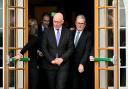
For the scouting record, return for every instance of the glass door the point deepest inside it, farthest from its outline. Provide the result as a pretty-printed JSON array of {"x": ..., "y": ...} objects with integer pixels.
[
  {"x": 123, "y": 27},
  {"x": 106, "y": 44},
  {"x": 15, "y": 37}
]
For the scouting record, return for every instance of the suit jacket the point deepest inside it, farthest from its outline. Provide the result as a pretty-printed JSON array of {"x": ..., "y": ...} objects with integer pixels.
[
  {"x": 82, "y": 50},
  {"x": 64, "y": 49}
]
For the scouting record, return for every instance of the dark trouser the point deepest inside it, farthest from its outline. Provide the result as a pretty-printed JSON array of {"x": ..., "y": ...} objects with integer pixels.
[
  {"x": 79, "y": 80},
  {"x": 33, "y": 75},
  {"x": 57, "y": 78}
]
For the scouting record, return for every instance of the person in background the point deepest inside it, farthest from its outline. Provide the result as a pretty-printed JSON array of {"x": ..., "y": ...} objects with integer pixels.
[
  {"x": 31, "y": 47},
  {"x": 80, "y": 56},
  {"x": 57, "y": 47},
  {"x": 44, "y": 25}
]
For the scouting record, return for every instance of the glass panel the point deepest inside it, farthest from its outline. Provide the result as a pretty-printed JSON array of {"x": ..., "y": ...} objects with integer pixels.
[
  {"x": 110, "y": 78},
  {"x": 110, "y": 17},
  {"x": 20, "y": 17},
  {"x": 20, "y": 3},
  {"x": 1, "y": 3},
  {"x": 1, "y": 70},
  {"x": 123, "y": 57},
  {"x": 12, "y": 38},
  {"x": 12, "y": 18},
  {"x": 1, "y": 78},
  {"x": 101, "y": 2},
  {"x": 12, "y": 2},
  {"x": 1, "y": 18},
  {"x": 110, "y": 55},
  {"x": 122, "y": 77},
  {"x": 1, "y": 37},
  {"x": 110, "y": 37},
  {"x": 106, "y": 38},
  {"x": 1, "y": 57},
  {"x": 105, "y": 2},
  {"x": 101, "y": 17},
  {"x": 122, "y": 18},
  {"x": 11, "y": 78},
  {"x": 121, "y": 3},
  {"x": 122, "y": 37},
  {"x": 110, "y": 2}
]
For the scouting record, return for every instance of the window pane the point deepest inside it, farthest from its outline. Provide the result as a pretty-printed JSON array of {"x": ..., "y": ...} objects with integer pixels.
[
  {"x": 1, "y": 18},
  {"x": 1, "y": 78},
  {"x": 123, "y": 77},
  {"x": 123, "y": 57},
  {"x": 122, "y": 37},
  {"x": 1, "y": 3},
  {"x": 1, "y": 37}
]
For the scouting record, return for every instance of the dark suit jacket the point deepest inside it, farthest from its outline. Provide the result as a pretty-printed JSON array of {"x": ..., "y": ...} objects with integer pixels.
[
  {"x": 83, "y": 48},
  {"x": 49, "y": 47}
]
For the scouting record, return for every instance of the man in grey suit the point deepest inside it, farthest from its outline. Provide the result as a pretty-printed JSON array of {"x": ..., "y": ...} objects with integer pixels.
[{"x": 57, "y": 47}]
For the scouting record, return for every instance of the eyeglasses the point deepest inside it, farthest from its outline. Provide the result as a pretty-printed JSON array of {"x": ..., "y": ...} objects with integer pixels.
[{"x": 80, "y": 23}]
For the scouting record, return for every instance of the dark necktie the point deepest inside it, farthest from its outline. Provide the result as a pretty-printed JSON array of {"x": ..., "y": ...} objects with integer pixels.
[{"x": 77, "y": 38}]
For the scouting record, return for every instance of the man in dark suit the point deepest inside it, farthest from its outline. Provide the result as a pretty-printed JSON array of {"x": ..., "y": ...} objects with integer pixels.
[
  {"x": 57, "y": 47},
  {"x": 45, "y": 23},
  {"x": 82, "y": 42}
]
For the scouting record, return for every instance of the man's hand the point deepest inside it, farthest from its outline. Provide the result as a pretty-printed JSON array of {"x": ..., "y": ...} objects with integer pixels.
[
  {"x": 81, "y": 68},
  {"x": 57, "y": 61}
]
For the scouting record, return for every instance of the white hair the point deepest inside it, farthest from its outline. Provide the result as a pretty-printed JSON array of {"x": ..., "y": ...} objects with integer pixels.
[{"x": 81, "y": 17}]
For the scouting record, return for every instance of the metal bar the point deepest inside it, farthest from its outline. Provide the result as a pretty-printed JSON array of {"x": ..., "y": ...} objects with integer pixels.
[{"x": 102, "y": 59}]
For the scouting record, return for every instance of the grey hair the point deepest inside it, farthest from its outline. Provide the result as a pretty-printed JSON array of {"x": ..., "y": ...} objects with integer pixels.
[{"x": 81, "y": 17}]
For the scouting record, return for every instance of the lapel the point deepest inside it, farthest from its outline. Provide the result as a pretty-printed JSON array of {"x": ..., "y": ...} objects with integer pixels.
[
  {"x": 83, "y": 37},
  {"x": 53, "y": 37},
  {"x": 61, "y": 37}
]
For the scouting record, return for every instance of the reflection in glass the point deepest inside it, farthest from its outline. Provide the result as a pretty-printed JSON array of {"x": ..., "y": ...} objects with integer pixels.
[
  {"x": 1, "y": 78},
  {"x": 122, "y": 37},
  {"x": 122, "y": 18},
  {"x": 1, "y": 57},
  {"x": 1, "y": 3},
  {"x": 110, "y": 17},
  {"x": 110, "y": 78},
  {"x": 1, "y": 70},
  {"x": 12, "y": 38},
  {"x": 1, "y": 18},
  {"x": 123, "y": 57},
  {"x": 110, "y": 2},
  {"x": 11, "y": 78},
  {"x": 12, "y": 2},
  {"x": 110, "y": 37},
  {"x": 12, "y": 18},
  {"x": 122, "y": 77},
  {"x": 1, "y": 37}
]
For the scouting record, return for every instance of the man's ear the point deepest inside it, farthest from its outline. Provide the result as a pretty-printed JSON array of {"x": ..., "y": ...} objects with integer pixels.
[{"x": 62, "y": 21}]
